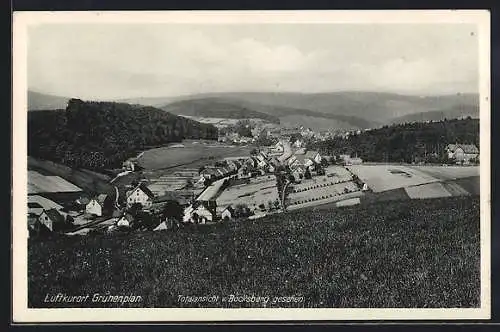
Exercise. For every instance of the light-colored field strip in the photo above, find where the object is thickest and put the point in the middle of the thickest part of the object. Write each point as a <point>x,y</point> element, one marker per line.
<point>430,190</point>
<point>449,172</point>
<point>348,202</point>
<point>455,189</point>
<point>211,191</point>
<point>325,201</point>
<point>336,189</point>
<point>38,183</point>
<point>249,194</point>
<point>386,177</point>
<point>44,202</point>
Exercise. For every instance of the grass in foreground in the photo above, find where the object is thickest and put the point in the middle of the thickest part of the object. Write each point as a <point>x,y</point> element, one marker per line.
<point>417,253</point>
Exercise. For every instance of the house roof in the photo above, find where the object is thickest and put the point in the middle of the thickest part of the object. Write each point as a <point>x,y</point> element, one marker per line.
<point>127,216</point>
<point>54,215</point>
<point>170,196</point>
<point>83,200</point>
<point>102,197</point>
<point>311,154</point>
<point>469,148</point>
<point>228,208</point>
<point>144,189</point>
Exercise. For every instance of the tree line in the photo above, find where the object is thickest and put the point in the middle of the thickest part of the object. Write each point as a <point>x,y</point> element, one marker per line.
<point>98,135</point>
<point>408,142</point>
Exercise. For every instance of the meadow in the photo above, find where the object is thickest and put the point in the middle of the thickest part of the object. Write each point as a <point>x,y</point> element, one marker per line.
<point>383,177</point>
<point>193,153</point>
<point>402,254</point>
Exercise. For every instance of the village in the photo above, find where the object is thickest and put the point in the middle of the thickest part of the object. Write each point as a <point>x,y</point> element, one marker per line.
<point>284,175</point>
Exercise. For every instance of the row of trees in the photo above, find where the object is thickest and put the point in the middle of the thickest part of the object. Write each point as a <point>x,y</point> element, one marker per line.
<point>410,142</point>
<point>100,135</point>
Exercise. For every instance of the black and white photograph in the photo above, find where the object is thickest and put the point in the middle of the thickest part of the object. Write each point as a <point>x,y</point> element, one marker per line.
<point>331,164</point>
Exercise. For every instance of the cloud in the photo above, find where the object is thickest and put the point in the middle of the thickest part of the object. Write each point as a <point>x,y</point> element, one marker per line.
<point>114,61</point>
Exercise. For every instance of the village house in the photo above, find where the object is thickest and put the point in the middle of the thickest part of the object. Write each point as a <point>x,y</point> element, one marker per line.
<point>199,212</point>
<point>298,144</point>
<point>128,165</point>
<point>98,205</point>
<point>52,219</point>
<point>243,173</point>
<point>140,194</point>
<point>159,202</point>
<point>462,153</point>
<point>354,161</point>
<point>314,156</point>
<point>297,176</point>
<point>227,213</point>
<point>125,220</point>
<point>261,161</point>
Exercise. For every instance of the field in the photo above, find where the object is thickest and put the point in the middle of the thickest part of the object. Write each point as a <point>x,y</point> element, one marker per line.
<point>429,190</point>
<point>193,153</point>
<point>87,180</point>
<point>258,191</point>
<point>388,177</point>
<point>413,253</point>
<point>448,172</point>
<point>38,183</point>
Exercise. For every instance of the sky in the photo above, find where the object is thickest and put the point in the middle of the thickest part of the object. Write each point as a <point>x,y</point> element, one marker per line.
<point>113,61</point>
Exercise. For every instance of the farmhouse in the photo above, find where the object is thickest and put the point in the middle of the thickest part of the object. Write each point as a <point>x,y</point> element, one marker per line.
<point>51,219</point>
<point>140,194</point>
<point>200,212</point>
<point>98,205</point>
<point>160,201</point>
<point>462,153</point>
<point>298,143</point>
<point>227,213</point>
<point>314,156</point>
<point>125,220</point>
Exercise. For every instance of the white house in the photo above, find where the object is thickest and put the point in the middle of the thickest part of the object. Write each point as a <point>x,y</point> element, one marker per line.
<point>125,220</point>
<point>96,205</point>
<point>298,143</point>
<point>462,153</point>
<point>199,213</point>
<point>314,156</point>
<point>51,219</point>
<point>243,173</point>
<point>140,194</point>
<point>227,213</point>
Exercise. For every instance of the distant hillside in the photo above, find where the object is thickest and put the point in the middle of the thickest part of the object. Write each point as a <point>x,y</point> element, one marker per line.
<point>215,108</point>
<point>439,115</point>
<point>370,106</point>
<point>99,135</point>
<point>236,108</point>
<point>354,109</point>
<point>39,101</point>
<point>335,110</point>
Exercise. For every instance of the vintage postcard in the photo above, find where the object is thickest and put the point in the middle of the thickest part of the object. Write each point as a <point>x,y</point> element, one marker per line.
<point>251,165</point>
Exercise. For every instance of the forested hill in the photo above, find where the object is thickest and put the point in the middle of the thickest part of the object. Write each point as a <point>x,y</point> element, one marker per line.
<point>100,135</point>
<point>405,142</point>
<point>215,108</point>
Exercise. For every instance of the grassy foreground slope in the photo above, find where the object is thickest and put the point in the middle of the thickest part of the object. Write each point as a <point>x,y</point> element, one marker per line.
<point>418,253</point>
